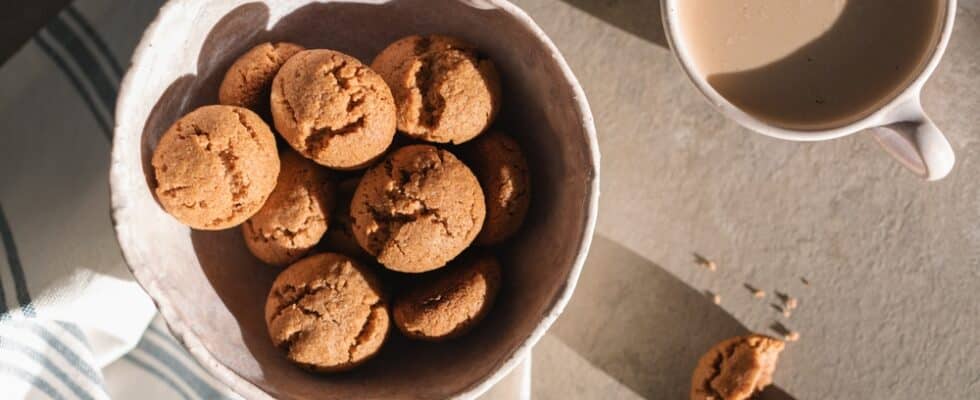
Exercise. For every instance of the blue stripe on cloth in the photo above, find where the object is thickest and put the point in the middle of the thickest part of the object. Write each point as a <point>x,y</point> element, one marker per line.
<point>70,355</point>
<point>76,83</point>
<point>160,375</point>
<point>202,388</point>
<point>16,270</point>
<point>100,44</point>
<point>166,336</point>
<point>85,60</point>
<point>73,330</point>
<point>81,393</point>
<point>31,379</point>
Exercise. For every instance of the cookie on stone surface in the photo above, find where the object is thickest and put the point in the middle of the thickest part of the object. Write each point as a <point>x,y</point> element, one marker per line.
<point>500,166</point>
<point>248,82</point>
<point>736,368</point>
<point>332,109</point>
<point>215,167</point>
<point>445,91</point>
<point>448,304</point>
<point>417,209</point>
<point>328,312</point>
<point>295,216</point>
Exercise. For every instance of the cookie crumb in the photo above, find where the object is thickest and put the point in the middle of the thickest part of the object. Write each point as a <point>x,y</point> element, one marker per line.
<point>779,328</point>
<point>791,303</point>
<point>792,336</point>
<point>756,292</point>
<point>705,262</point>
<point>715,298</point>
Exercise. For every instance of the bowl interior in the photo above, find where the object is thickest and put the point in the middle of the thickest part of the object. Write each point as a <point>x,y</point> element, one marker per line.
<point>212,291</point>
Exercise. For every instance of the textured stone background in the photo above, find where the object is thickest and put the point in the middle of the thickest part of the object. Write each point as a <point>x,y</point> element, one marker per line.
<point>894,262</point>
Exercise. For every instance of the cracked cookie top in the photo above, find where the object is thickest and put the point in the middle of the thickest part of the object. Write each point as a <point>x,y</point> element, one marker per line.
<point>295,216</point>
<point>736,368</point>
<point>418,209</point>
<point>215,167</point>
<point>448,304</point>
<point>332,109</point>
<point>248,81</point>
<point>328,313</point>
<point>445,91</point>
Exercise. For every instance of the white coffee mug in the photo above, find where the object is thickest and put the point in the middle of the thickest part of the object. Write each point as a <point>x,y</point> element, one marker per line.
<point>899,125</point>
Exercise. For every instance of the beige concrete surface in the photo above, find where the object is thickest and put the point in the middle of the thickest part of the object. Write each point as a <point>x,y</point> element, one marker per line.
<point>559,372</point>
<point>891,311</point>
<point>515,386</point>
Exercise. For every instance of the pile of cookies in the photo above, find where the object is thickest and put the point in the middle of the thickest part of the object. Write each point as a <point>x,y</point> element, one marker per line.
<point>342,202</point>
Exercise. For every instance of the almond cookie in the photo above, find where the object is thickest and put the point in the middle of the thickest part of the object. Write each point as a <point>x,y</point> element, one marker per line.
<point>450,303</point>
<point>736,369</point>
<point>499,164</point>
<point>418,209</point>
<point>248,81</point>
<point>445,91</point>
<point>295,216</point>
<point>332,109</point>
<point>328,313</point>
<point>215,167</point>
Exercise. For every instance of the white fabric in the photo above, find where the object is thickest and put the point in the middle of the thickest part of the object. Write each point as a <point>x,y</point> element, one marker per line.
<point>70,305</point>
<point>111,312</point>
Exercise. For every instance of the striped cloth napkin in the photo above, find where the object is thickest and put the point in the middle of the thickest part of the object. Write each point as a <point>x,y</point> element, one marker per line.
<point>72,320</point>
<point>73,323</point>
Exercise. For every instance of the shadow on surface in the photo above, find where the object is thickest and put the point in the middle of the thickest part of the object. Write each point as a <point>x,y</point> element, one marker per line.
<point>639,17</point>
<point>640,324</point>
<point>774,393</point>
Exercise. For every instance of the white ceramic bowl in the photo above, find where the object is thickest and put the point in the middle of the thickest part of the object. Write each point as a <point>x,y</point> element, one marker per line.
<point>211,291</point>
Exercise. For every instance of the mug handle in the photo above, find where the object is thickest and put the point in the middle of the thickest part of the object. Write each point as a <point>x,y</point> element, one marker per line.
<point>916,142</point>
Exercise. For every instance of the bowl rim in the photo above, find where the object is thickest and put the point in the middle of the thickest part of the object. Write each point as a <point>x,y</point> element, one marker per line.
<point>185,335</point>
